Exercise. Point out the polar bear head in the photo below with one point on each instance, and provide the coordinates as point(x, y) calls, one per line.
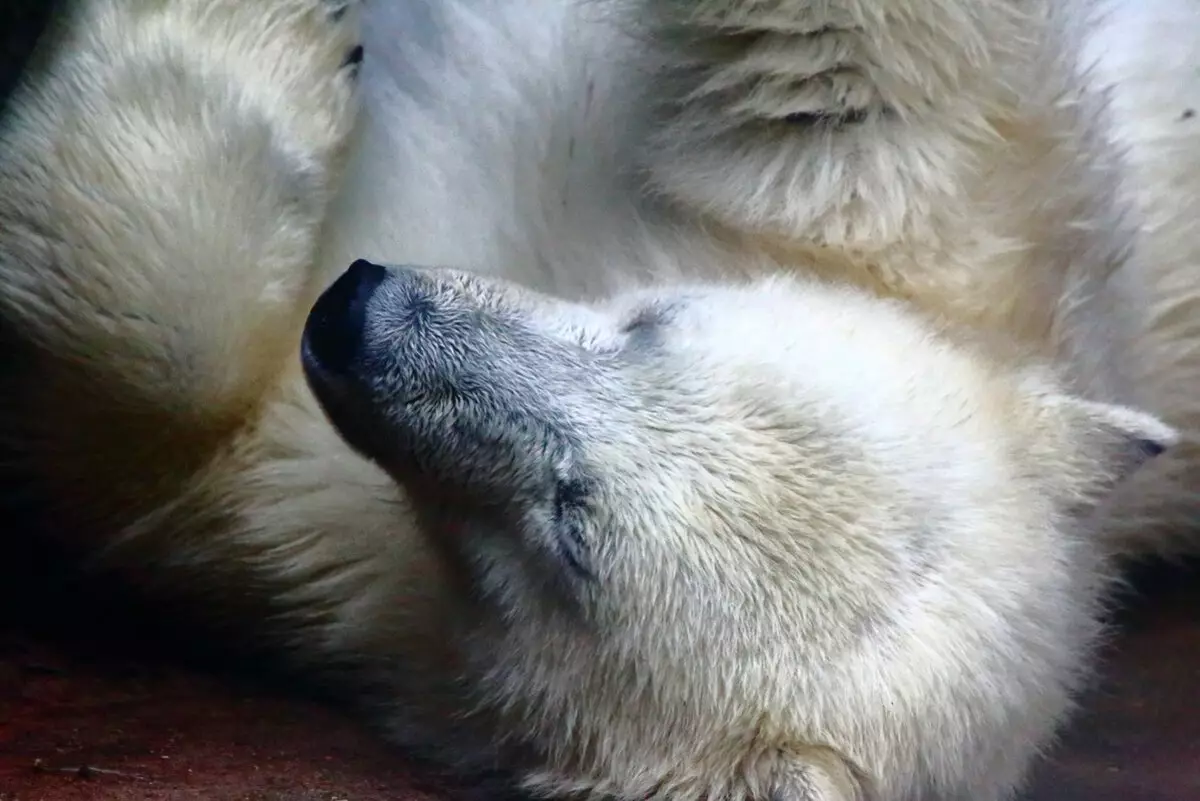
point(738, 540)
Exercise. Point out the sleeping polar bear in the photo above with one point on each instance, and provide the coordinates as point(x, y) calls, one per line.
point(753, 406)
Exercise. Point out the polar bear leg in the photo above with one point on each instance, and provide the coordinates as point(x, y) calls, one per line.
point(829, 122)
point(1147, 56)
point(165, 173)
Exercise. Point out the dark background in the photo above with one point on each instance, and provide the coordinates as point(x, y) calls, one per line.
point(21, 22)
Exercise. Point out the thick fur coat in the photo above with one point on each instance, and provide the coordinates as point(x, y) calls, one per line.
point(755, 405)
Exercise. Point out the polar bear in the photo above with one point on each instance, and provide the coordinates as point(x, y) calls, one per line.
point(642, 399)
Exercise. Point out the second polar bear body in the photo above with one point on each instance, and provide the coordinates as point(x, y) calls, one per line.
point(845, 537)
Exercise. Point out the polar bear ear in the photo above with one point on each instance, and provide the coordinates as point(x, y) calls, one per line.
point(1104, 443)
point(1126, 438)
point(812, 774)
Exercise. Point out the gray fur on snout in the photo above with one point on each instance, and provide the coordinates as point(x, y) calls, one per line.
point(478, 411)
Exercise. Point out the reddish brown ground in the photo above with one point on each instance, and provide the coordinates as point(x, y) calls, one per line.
point(74, 729)
point(77, 724)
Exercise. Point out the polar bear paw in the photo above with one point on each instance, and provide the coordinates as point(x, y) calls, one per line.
point(296, 62)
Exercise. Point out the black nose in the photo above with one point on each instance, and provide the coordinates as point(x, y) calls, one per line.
point(333, 334)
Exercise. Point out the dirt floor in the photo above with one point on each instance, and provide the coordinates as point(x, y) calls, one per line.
point(74, 728)
point(85, 717)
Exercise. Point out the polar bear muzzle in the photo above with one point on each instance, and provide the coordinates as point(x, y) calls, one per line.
point(449, 384)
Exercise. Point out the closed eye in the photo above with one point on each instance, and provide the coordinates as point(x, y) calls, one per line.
point(570, 502)
point(648, 319)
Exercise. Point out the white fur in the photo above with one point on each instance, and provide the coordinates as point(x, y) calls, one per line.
point(854, 511)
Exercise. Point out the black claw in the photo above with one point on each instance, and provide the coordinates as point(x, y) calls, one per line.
point(354, 57)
